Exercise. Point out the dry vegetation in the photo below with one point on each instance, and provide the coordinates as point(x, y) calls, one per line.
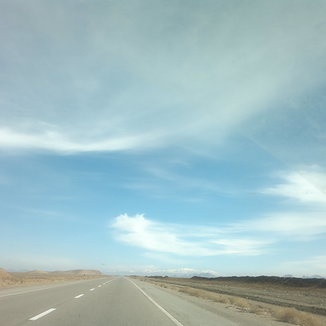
point(41, 277)
point(199, 288)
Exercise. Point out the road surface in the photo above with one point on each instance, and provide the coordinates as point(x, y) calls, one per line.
point(107, 301)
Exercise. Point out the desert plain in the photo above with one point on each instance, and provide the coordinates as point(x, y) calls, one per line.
point(297, 301)
point(35, 277)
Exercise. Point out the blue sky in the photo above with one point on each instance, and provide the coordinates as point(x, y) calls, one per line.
point(173, 137)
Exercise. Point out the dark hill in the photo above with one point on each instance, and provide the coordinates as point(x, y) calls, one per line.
point(275, 280)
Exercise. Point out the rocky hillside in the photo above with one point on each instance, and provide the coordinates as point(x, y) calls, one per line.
point(78, 272)
point(4, 275)
point(40, 277)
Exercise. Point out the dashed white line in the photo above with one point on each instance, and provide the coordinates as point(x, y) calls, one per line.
point(42, 314)
point(156, 304)
point(79, 296)
point(99, 286)
point(92, 289)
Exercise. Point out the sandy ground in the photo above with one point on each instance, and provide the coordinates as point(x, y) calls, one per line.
point(14, 279)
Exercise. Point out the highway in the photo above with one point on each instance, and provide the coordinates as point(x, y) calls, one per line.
point(107, 301)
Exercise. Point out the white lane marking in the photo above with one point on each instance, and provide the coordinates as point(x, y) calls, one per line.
point(79, 296)
point(99, 286)
point(42, 314)
point(109, 281)
point(92, 289)
point(156, 304)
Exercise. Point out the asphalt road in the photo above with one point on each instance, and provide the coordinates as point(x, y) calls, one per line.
point(108, 301)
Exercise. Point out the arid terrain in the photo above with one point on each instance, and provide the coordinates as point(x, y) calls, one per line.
point(295, 300)
point(11, 279)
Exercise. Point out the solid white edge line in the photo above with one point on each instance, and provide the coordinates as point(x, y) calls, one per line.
point(79, 296)
point(156, 304)
point(42, 314)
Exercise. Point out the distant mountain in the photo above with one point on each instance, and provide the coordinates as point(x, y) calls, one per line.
point(203, 275)
point(77, 272)
point(317, 276)
point(286, 281)
point(86, 272)
point(183, 273)
point(4, 275)
point(312, 276)
point(37, 272)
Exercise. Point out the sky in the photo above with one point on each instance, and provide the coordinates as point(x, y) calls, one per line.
point(163, 137)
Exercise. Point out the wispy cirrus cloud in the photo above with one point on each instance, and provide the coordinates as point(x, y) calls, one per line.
point(307, 186)
point(243, 246)
point(50, 140)
point(293, 225)
point(114, 77)
point(249, 238)
point(141, 232)
point(183, 240)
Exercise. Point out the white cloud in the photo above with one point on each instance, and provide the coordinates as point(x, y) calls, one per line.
point(306, 186)
point(141, 232)
point(184, 241)
point(286, 225)
point(240, 246)
point(249, 238)
point(61, 142)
